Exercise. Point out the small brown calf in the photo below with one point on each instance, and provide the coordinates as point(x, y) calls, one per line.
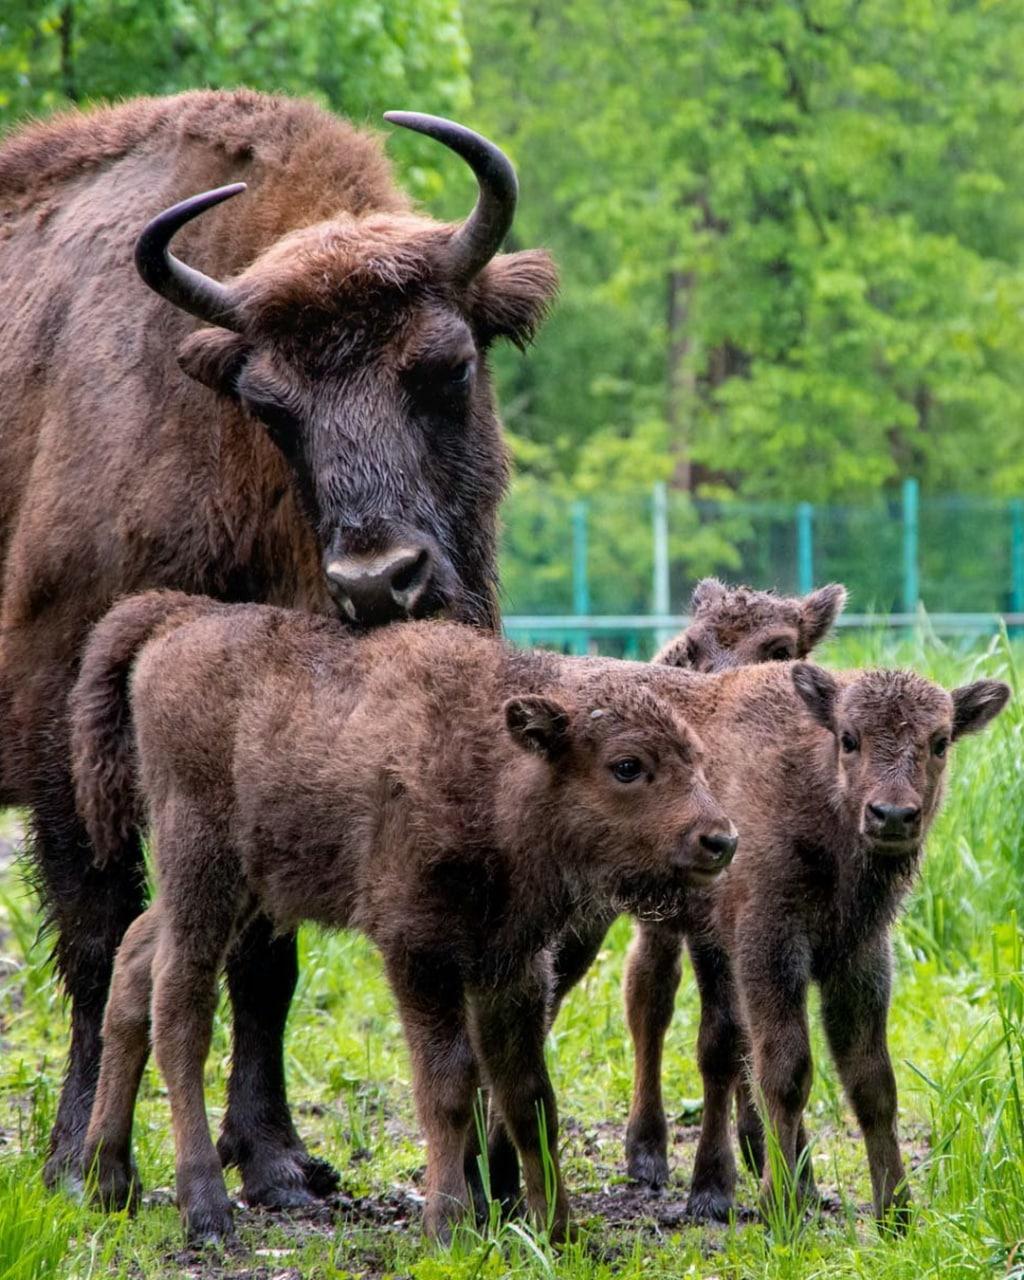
point(735, 626)
point(452, 798)
point(833, 807)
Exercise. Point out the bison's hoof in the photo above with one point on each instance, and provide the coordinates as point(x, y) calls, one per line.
point(647, 1166)
point(709, 1204)
point(279, 1175)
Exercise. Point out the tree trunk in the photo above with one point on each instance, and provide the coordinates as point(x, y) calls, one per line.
point(68, 84)
point(681, 386)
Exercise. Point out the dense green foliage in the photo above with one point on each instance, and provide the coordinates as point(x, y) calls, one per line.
point(957, 1030)
point(791, 233)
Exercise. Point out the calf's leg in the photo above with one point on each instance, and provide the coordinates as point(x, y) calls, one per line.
point(257, 1134)
point(855, 1010)
point(508, 1034)
point(431, 1004)
point(107, 1155)
point(720, 1047)
point(571, 959)
point(773, 984)
point(653, 972)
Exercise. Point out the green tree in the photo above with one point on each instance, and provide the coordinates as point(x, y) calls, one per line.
point(357, 56)
point(790, 231)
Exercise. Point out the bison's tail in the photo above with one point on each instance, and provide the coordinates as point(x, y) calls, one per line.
point(102, 737)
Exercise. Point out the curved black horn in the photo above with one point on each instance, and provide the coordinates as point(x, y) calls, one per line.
point(480, 236)
point(171, 278)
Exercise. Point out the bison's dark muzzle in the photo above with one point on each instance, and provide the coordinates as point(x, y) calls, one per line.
point(374, 589)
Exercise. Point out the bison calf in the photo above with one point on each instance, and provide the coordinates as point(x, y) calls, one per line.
point(734, 626)
point(453, 799)
point(833, 807)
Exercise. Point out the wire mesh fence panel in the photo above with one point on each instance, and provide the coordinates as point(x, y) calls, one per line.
point(630, 559)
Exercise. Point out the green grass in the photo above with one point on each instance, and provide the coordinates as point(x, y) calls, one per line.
point(957, 1035)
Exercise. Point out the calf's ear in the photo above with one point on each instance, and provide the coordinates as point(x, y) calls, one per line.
point(818, 612)
point(539, 725)
point(975, 705)
point(706, 593)
point(215, 358)
point(818, 690)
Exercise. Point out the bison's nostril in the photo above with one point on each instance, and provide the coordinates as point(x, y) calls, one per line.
point(895, 817)
point(410, 573)
point(720, 846)
point(378, 588)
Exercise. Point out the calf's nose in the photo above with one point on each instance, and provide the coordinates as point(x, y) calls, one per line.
point(895, 820)
point(720, 846)
point(372, 589)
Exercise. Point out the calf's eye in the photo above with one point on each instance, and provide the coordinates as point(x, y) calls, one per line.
point(848, 742)
point(627, 770)
point(939, 746)
point(780, 653)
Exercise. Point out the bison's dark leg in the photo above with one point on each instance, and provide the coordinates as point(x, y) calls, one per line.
point(720, 1048)
point(258, 1135)
point(855, 1009)
point(89, 909)
point(653, 972)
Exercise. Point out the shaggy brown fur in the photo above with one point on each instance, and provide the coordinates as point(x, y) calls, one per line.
point(350, 421)
point(733, 626)
point(454, 799)
point(832, 809)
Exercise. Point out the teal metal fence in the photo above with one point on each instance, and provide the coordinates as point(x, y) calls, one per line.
point(616, 570)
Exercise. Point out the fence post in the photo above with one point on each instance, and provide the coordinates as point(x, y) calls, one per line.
point(659, 530)
point(1016, 557)
point(804, 548)
point(911, 582)
point(580, 579)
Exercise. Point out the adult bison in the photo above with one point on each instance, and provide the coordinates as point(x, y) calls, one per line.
point(333, 446)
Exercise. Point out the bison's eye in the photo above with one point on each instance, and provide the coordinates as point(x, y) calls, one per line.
point(849, 743)
point(461, 375)
point(779, 653)
point(939, 746)
point(627, 769)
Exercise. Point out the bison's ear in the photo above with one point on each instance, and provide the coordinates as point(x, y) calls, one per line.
point(818, 691)
point(975, 705)
point(512, 295)
point(538, 724)
point(706, 593)
point(215, 358)
point(818, 612)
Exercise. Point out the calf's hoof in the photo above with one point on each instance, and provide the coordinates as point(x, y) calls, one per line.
point(648, 1165)
point(709, 1204)
point(894, 1220)
point(113, 1181)
point(209, 1225)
